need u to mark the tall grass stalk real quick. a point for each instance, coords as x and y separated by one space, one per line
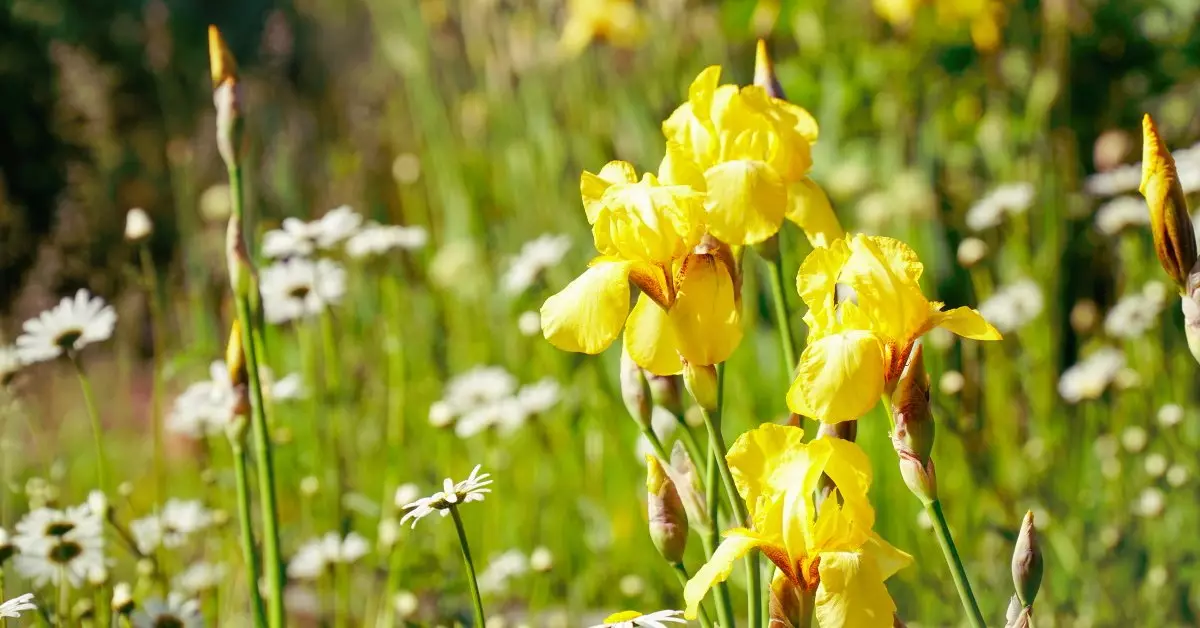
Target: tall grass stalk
89 399
157 334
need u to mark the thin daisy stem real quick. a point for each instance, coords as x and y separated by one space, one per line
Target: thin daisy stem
157 333
249 552
259 430
389 589
89 399
681 573
64 597
469 566
783 315
950 551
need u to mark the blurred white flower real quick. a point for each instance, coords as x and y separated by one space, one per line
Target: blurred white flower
137 224
200 577
1150 502
316 556
297 238
406 493
1134 439
541 559
1177 475
989 211
1088 378
336 226
10 364
1014 305
376 239
1105 446
529 323
1170 415
472 489
177 611
122 598
297 288
206 407
52 544
67 327
1120 213
951 383
539 396
174 524
1155 465
634 619
406 604
971 251
487 397
1120 180
14 607
536 256
503 568
631 585
1137 313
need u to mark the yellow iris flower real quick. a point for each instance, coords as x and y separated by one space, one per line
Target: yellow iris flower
750 154
614 21
857 349
831 551
652 235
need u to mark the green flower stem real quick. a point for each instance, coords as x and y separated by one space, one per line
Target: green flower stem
157 333
753 579
681 573
259 430
388 616
657 444
934 510
63 612
692 444
89 400
469 566
249 552
783 314
712 494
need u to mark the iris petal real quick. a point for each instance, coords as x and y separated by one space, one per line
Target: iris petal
587 315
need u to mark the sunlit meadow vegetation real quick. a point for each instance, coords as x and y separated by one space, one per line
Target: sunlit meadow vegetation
438 312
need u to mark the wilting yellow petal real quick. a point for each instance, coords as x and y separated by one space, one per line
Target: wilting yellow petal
767 461
840 377
593 186
738 542
884 273
965 322
852 593
746 201
809 207
587 315
650 338
707 322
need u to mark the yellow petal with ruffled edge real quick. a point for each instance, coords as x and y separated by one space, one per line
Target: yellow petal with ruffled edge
738 542
650 338
587 315
840 377
766 461
809 207
965 322
852 593
850 469
746 201
677 168
884 273
887 557
593 186
816 283
705 315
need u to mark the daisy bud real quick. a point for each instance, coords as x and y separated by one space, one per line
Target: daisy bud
84 610
668 521
1027 562
764 72
687 481
701 383
226 98
122 599
912 437
1170 224
98 504
635 391
97 575
137 225
787 603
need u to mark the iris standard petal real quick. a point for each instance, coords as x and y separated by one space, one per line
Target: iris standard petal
679 168
707 322
852 593
746 201
766 461
884 273
593 186
809 207
840 377
587 315
650 338
738 542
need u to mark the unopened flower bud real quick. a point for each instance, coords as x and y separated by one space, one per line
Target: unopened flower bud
665 391
701 383
226 98
635 391
137 225
235 356
97 575
764 72
83 610
1027 562
787 605
1170 224
1191 323
122 599
912 437
690 487
668 521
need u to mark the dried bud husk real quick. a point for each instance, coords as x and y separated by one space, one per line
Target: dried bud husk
701 383
667 518
789 605
635 392
1021 619
913 434
1170 224
764 72
690 487
1191 322
1027 562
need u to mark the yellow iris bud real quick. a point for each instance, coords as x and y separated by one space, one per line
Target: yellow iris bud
1170 222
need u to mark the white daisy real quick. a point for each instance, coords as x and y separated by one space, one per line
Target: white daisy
506 414
971 251
541 559
174 524
1088 378
67 327
1121 213
469 490
1014 305
206 407
536 256
479 388
52 543
137 224
200 577
989 211
336 226
540 396
177 611
10 364
1137 313
13 607
503 568
634 619
529 323
406 493
315 557
122 598
1119 180
375 239
294 238
297 288
1170 415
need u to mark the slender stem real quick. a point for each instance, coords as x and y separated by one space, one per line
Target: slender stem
64 597
157 333
753 578
260 434
934 510
249 552
782 313
469 566
681 573
692 444
341 596
89 400
657 444
388 619
713 538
